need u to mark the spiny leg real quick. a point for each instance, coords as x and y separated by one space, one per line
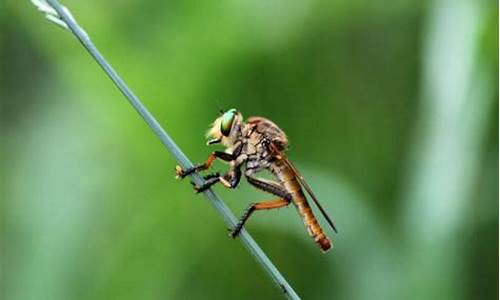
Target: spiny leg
210 179
210 176
269 186
180 173
271 204
230 180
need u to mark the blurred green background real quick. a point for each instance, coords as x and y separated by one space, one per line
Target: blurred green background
391 109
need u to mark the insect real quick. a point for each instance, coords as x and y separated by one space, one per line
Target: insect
256 145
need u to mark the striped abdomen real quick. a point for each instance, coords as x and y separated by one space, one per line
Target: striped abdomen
287 178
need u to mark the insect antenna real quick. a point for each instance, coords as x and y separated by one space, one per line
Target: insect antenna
221 110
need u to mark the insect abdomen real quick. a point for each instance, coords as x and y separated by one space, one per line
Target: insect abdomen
311 223
287 178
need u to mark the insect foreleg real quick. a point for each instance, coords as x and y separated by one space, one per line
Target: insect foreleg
204 166
272 204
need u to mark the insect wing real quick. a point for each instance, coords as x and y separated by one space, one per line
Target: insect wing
310 192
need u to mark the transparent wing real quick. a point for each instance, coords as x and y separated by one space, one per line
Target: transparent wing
310 192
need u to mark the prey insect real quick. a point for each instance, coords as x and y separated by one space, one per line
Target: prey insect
256 145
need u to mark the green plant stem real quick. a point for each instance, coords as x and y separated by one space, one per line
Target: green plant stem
181 158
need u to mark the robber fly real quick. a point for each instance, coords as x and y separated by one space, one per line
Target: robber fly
256 145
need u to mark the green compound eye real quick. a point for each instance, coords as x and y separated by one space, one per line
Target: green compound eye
227 121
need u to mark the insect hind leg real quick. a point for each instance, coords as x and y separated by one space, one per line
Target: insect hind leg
271 204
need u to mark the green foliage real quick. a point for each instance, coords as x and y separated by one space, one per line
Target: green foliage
91 210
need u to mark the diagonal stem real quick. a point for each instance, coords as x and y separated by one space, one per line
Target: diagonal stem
181 158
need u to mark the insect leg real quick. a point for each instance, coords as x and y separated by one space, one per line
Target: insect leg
210 176
269 186
180 173
271 204
209 181
230 180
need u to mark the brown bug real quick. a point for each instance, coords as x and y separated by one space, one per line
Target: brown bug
259 144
